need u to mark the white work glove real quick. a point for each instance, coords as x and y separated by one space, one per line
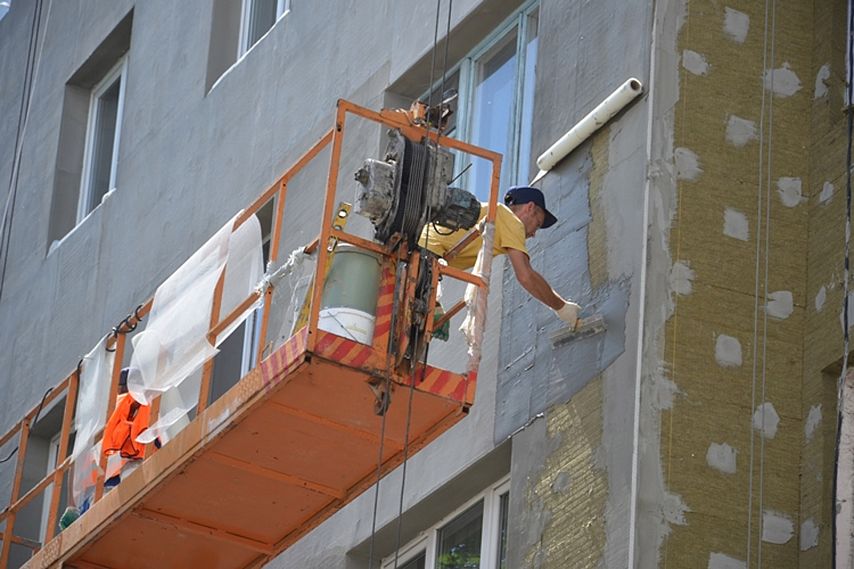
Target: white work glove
569 314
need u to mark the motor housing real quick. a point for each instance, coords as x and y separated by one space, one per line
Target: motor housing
409 188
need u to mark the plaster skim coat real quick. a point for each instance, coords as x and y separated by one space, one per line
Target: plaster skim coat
646 446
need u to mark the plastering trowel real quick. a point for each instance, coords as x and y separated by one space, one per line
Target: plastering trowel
584 328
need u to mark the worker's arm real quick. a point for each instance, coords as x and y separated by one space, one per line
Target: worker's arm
533 282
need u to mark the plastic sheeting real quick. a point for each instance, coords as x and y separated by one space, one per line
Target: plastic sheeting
96 371
174 343
292 282
475 299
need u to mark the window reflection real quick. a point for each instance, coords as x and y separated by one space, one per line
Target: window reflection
492 111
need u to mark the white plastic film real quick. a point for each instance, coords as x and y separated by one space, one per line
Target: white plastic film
90 415
84 475
175 404
475 298
96 370
244 270
174 342
244 267
295 278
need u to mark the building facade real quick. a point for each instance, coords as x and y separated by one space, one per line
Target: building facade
705 222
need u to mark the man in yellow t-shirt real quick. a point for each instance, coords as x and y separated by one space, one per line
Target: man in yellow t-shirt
522 214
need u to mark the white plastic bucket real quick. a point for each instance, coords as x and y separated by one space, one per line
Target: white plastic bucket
348 323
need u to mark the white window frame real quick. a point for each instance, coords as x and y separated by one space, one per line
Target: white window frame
467 67
119 71
428 540
283 7
47 496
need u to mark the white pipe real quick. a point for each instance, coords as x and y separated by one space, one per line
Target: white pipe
615 102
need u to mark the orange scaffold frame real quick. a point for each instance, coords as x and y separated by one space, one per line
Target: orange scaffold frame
373 361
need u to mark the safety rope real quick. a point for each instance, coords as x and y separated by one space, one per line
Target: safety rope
768 169
761 173
379 476
424 260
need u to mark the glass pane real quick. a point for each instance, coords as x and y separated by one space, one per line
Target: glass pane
415 562
104 135
459 541
529 77
492 113
262 16
503 507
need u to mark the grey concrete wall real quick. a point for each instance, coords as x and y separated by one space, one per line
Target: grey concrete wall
191 156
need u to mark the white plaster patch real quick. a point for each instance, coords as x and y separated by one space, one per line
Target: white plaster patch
809 534
766 420
736 225
813 421
665 392
674 509
782 81
687 164
776 527
780 304
695 62
820 298
727 351
721 457
722 561
740 131
736 25
681 278
790 191
821 81
826 193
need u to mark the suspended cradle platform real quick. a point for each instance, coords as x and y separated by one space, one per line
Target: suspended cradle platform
290 444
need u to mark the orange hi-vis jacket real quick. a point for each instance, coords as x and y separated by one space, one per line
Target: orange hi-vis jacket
128 420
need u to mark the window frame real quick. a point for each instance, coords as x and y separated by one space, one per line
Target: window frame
117 72
468 71
283 7
427 541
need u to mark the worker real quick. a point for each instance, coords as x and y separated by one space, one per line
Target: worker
519 218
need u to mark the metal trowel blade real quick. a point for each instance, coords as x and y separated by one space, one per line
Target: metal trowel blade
587 327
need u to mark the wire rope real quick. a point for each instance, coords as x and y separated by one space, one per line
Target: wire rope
849 88
30 75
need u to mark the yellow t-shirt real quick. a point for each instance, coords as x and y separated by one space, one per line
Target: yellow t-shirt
509 234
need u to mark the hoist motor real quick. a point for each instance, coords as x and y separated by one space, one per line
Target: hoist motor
409 188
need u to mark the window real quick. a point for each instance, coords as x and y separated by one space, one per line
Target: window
473 537
257 18
496 101
102 139
88 144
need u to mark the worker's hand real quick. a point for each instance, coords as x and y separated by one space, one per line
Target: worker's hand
569 314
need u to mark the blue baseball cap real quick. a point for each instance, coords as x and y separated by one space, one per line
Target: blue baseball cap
518 195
